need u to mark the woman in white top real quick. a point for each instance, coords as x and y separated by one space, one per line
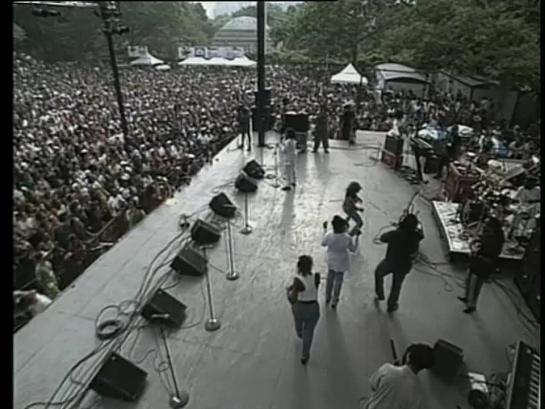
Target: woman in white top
303 293
338 244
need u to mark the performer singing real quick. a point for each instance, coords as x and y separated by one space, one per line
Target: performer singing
303 295
338 244
485 253
243 121
350 207
402 247
398 387
289 153
321 132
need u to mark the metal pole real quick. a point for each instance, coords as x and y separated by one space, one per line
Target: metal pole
247 228
181 398
113 63
261 73
232 274
212 324
276 184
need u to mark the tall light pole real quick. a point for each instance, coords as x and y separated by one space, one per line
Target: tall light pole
261 73
109 13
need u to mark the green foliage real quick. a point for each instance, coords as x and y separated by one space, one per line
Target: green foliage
77 34
498 39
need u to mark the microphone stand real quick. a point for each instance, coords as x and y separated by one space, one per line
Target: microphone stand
181 398
232 274
212 324
276 184
247 229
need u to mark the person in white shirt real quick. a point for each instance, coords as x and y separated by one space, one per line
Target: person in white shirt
289 147
303 295
338 244
398 387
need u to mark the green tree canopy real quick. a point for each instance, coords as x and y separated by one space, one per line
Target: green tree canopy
77 34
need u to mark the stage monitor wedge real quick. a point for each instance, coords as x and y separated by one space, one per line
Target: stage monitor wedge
163 308
189 262
204 233
245 184
223 206
119 379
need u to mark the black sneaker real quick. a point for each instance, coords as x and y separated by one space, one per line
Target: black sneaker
304 361
286 188
463 299
469 310
333 305
392 308
377 298
326 151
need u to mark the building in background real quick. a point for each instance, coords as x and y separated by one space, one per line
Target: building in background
240 32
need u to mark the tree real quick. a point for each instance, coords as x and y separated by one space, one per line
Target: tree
77 35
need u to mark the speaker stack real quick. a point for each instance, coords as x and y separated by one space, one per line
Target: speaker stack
298 122
528 279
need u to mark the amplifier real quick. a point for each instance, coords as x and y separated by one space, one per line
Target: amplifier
298 122
189 262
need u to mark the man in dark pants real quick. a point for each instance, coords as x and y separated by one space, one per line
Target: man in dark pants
402 247
321 132
243 121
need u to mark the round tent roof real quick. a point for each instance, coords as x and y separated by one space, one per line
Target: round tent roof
242 23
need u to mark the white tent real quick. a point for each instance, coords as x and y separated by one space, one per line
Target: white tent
193 61
349 75
242 62
217 61
147 59
162 67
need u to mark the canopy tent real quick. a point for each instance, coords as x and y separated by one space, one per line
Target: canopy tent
147 59
217 61
162 67
193 61
349 75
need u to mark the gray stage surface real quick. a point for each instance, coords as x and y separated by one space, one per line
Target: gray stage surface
252 362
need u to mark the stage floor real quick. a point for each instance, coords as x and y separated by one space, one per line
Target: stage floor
252 361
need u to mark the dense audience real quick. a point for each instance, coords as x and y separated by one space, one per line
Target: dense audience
80 183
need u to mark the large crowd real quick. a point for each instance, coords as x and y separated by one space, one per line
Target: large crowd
80 183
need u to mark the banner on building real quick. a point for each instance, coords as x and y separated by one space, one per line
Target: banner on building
137 51
211 52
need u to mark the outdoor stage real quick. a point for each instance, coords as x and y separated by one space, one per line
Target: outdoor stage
252 361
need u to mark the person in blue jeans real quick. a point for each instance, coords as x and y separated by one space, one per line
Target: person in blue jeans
351 208
338 244
403 245
303 294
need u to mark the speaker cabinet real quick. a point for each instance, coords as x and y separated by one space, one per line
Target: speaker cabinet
244 184
222 206
204 233
298 122
267 95
448 359
254 170
119 379
189 262
165 309
269 119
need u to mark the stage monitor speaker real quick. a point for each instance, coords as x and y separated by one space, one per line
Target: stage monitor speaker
298 122
254 170
189 262
119 379
448 359
245 184
204 233
222 206
163 308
